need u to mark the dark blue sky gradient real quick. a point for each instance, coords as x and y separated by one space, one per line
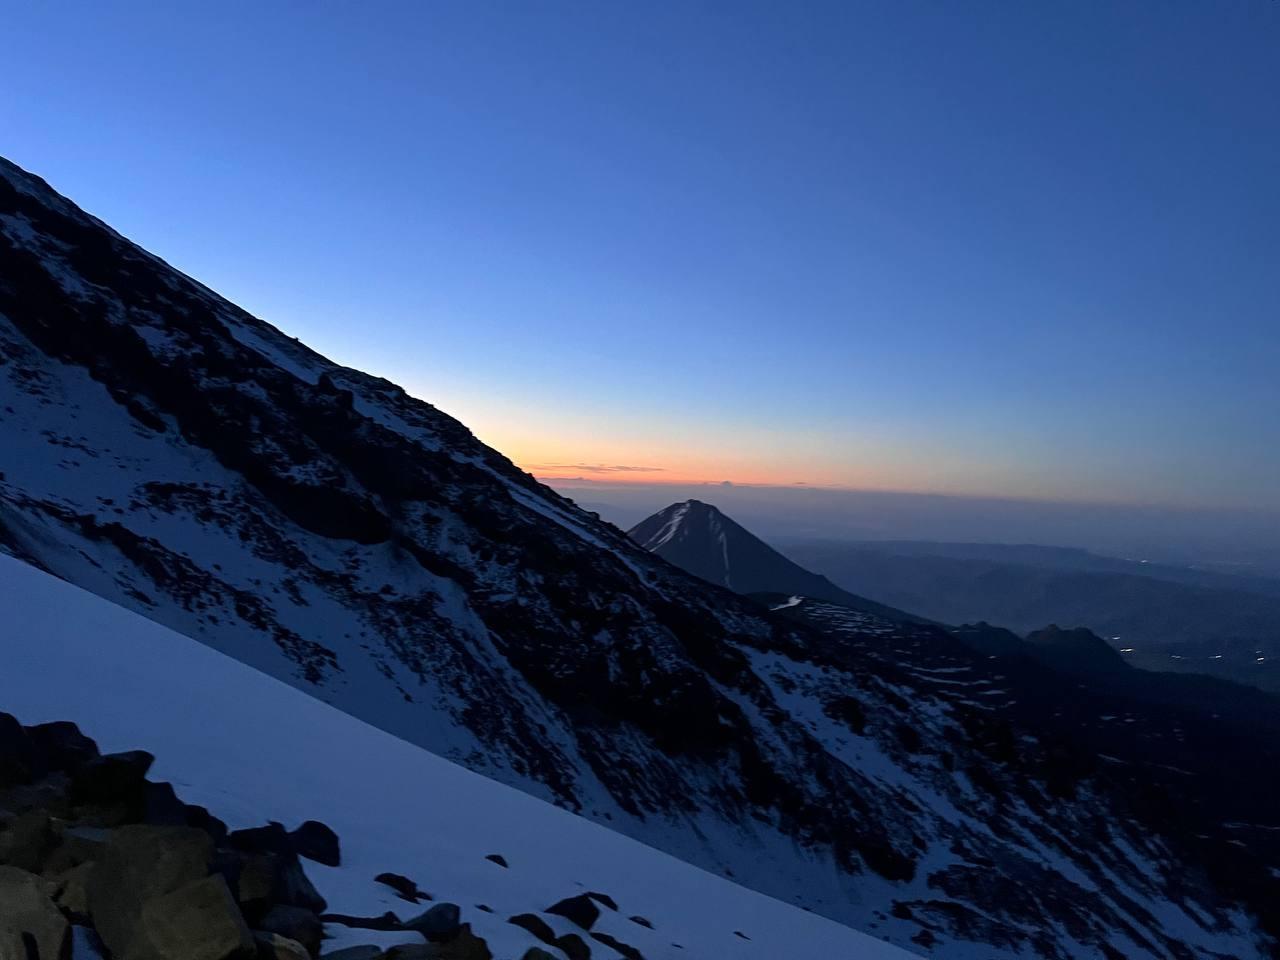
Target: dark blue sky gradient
1012 249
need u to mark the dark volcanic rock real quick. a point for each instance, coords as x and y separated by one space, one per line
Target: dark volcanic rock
19 760
535 925
316 841
296 923
27 841
405 888
441 922
581 910
114 781
63 745
626 949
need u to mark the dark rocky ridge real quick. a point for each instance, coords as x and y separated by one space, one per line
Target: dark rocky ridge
167 450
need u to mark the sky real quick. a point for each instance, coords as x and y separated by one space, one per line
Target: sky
980 248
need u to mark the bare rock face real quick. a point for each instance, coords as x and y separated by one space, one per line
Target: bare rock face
199 921
30 922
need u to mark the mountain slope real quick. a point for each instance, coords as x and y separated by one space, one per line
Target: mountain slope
701 540
395 807
166 450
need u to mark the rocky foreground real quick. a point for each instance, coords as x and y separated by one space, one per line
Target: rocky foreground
98 860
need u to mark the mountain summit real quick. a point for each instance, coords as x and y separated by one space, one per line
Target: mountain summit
702 540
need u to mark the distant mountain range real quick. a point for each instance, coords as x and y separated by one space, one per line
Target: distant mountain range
1163 617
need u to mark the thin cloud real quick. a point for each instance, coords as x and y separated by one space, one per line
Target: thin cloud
594 468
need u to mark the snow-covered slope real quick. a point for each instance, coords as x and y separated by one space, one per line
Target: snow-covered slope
249 747
167 451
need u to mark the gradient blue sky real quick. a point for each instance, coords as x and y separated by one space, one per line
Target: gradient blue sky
1021 249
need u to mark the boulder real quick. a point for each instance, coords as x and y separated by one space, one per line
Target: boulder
198 816
497 858
626 949
141 863
27 841
294 888
437 924
537 953
73 891
405 888
354 953
580 910
49 794
76 845
113 784
63 745
388 921
30 922
535 925
315 841
199 921
273 838
19 760
161 806
297 923
465 945
603 899
272 946
574 947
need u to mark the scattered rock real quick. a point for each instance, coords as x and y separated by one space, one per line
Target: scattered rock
465 945
535 925
580 910
497 858
537 953
140 863
296 923
272 946
354 953
739 933
603 898
388 921
437 924
484 908
642 921
574 947
29 920
315 841
199 921
405 888
628 951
